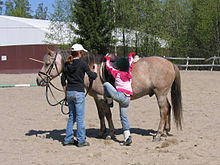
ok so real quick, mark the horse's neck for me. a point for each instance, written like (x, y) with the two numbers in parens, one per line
(64, 55)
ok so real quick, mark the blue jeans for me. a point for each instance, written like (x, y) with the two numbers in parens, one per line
(76, 103)
(110, 91)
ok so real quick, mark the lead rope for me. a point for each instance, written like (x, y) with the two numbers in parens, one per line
(62, 102)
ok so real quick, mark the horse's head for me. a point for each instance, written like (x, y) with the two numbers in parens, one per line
(52, 67)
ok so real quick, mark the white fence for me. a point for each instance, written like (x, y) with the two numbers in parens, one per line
(199, 64)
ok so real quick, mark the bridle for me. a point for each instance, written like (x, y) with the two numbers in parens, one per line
(47, 81)
(47, 73)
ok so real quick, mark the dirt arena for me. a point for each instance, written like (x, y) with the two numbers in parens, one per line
(32, 131)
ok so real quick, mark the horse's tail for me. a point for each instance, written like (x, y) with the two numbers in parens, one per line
(176, 98)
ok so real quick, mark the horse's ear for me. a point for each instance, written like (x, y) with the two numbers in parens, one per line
(50, 52)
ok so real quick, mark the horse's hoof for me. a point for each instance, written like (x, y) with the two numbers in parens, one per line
(156, 139)
(164, 135)
(108, 137)
(112, 134)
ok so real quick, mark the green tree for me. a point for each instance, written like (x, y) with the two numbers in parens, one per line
(123, 22)
(95, 22)
(140, 24)
(60, 32)
(8, 7)
(18, 8)
(1, 4)
(151, 28)
(175, 25)
(41, 12)
(204, 28)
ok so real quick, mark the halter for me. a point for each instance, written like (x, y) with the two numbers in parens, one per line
(48, 83)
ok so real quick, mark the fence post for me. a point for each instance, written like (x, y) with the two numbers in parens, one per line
(187, 62)
(213, 63)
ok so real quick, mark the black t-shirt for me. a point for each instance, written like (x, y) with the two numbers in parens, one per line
(74, 74)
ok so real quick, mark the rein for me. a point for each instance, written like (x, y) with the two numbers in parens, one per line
(49, 84)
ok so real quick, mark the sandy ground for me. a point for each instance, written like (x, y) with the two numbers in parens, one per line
(32, 131)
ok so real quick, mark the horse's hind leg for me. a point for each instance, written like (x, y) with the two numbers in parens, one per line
(164, 116)
(167, 123)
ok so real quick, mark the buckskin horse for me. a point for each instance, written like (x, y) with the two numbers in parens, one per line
(152, 75)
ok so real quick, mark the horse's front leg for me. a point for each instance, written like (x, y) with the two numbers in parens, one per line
(101, 117)
(104, 111)
(108, 115)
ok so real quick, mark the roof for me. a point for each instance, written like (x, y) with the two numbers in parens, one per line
(28, 31)
(22, 31)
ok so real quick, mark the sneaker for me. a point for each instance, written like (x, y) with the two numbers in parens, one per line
(83, 144)
(127, 142)
(71, 142)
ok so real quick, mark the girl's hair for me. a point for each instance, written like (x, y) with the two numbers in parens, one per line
(122, 64)
(70, 58)
(74, 53)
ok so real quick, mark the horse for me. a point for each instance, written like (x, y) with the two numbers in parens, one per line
(151, 75)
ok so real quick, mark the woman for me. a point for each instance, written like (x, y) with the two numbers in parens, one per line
(72, 80)
(123, 90)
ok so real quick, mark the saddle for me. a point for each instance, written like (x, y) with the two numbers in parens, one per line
(104, 74)
(112, 57)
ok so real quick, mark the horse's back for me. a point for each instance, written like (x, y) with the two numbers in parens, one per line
(152, 74)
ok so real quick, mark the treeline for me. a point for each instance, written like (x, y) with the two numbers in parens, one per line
(22, 8)
(177, 28)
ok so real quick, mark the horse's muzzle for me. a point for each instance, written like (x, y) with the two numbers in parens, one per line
(41, 82)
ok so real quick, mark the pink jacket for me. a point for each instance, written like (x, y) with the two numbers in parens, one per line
(122, 79)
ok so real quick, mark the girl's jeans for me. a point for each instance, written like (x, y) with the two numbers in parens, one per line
(76, 103)
(110, 91)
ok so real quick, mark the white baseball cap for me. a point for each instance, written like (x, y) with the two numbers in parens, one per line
(78, 47)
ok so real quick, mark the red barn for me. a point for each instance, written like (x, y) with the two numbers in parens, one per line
(21, 39)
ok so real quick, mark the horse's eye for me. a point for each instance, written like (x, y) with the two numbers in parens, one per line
(47, 63)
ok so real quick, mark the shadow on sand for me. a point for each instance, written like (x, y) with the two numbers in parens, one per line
(91, 132)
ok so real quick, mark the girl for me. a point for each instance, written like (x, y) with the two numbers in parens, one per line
(123, 90)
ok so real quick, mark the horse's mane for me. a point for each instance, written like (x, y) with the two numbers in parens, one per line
(63, 53)
(91, 58)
